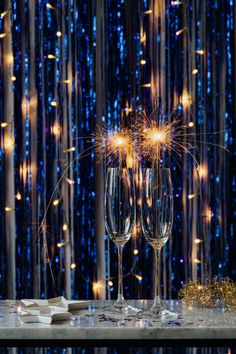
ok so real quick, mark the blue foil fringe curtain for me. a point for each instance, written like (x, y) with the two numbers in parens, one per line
(68, 65)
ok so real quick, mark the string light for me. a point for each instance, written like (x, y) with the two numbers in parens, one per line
(195, 71)
(56, 202)
(142, 62)
(3, 14)
(51, 56)
(8, 209)
(2, 35)
(198, 240)
(143, 37)
(60, 244)
(18, 196)
(207, 213)
(191, 124)
(181, 31)
(13, 78)
(200, 51)
(197, 261)
(70, 181)
(137, 276)
(49, 6)
(67, 81)
(202, 171)
(135, 252)
(8, 144)
(64, 227)
(70, 149)
(4, 124)
(59, 34)
(177, 3)
(56, 129)
(186, 100)
(148, 12)
(53, 103)
(191, 196)
(73, 265)
(110, 283)
(146, 85)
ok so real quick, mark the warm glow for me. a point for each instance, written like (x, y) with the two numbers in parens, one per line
(56, 202)
(70, 181)
(200, 51)
(157, 136)
(2, 35)
(8, 144)
(191, 196)
(18, 196)
(64, 227)
(191, 124)
(13, 78)
(186, 99)
(177, 2)
(3, 14)
(53, 103)
(51, 56)
(119, 140)
(60, 244)
(142, 62)
(56, 129)
(202, 171)
(65, 81)
(4, 125)
(135, 252)
(70, 149)
(207, 213)
(8, 209)
(143, 37)
(200, 287)
(195, 71)
(180, 31)
(73, 265)
(146, 85)
(110, 283)
(97, 286)
(148, 12)
(49, 6)
(137, 276)
(197, 261)
(59, 34)
(198, 240)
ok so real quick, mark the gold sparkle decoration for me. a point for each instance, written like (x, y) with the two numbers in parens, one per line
(214, 293)
(115, 144)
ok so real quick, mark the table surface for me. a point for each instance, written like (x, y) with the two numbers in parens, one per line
(89, 325)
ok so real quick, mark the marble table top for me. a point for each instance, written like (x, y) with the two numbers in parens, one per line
(90, 324)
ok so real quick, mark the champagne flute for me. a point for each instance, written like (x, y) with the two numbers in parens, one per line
(120, 217)
(157, 221)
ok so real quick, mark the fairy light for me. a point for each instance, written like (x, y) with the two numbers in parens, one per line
(66, 81)
(198, 240)
(175, 3)
(143, 37)
(137, 276)
(148, 12)
(191, 196)
(18, 196)
(135, 252)
(10, 59)
(73, 266)
(65, 227)
(56, 202)
(146, 85)
(56, 129)
(197, 261)
(49, 6)
(3, 14)
(191, 124)
(200, 51)
(2, 35)
(8, 144)
(194, 71)
(60, 244)
(186, 100)
(9, 209)
(13, 78)
(110, 283)
(207, 213)
(51, 56)
(53, 103)
(202, 171)
(181, 31)
(4, 124)
(59, 34)
(69, 181)
(142, 62)
(70, 149)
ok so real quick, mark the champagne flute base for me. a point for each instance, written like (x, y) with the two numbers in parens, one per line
(121, 310)
(157, 313)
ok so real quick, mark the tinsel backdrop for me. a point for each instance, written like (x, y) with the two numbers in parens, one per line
(67, 66)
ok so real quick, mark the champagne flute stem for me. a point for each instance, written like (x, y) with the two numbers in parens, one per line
(120, 298)
(157, 300)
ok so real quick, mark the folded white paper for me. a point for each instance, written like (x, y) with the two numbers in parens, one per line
(43, 317)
